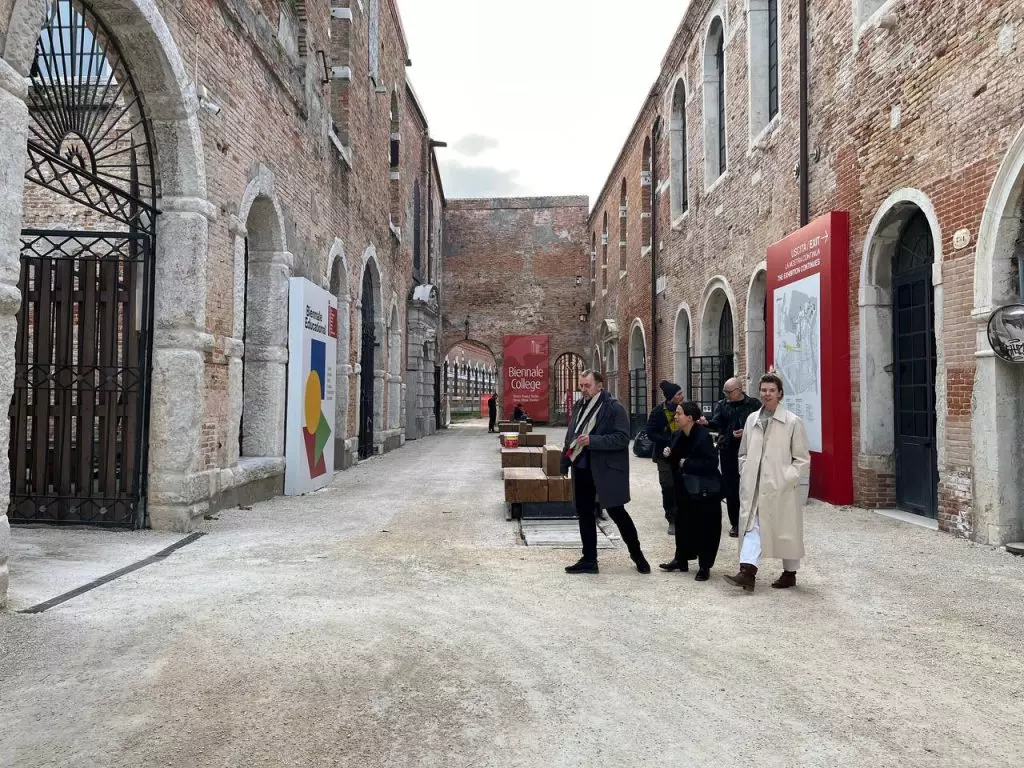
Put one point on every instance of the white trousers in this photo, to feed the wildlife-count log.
(750, 554)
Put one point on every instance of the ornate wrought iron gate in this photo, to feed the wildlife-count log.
(80, 412)
(707, 377)
(568, 369)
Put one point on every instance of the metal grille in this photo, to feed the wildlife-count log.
(80, 411)
(637, 401)
(914, 342)
(726, 343)
(568, 369)
(708, 374)
(366, 373)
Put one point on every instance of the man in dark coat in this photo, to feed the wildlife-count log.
(492, 411)
(597, 449)
(728, 419)
(660, 426)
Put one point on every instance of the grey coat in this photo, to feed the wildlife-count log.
(609, 451)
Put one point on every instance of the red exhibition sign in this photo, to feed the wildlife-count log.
(526, 374)
(809, 345)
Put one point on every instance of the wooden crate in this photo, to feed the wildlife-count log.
(533, 440)
(552, 460)
(507, 426)
(525, 484)
(522, 457)
(525, 427)
(559, 489)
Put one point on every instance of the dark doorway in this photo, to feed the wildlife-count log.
(637, 401)
(80, 411)
(914, 367)
(366, 372)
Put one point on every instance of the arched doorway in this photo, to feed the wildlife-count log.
(716, 361)
(914, 368)
(757, 323)
(568, 369)
(637, 379)
(899, 352)
(681, 349)
(80, 411)
(367, 360)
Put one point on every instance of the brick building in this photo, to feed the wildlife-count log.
(190, 158)
(517, 266)
(914, 128)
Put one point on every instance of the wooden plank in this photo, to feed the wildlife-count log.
(63, 383)
(552, 460)
(559, 489)
(19, 426)
(87, 366)
(522, 457)
(533, 440)
(39, 381)
(130, 405)
(108, 360)
(525, 484)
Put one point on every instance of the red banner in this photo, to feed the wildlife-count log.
(526, 374)
(809, 345)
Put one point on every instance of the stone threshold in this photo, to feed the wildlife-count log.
(909, 517)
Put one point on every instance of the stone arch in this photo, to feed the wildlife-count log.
(262, 269)
(717, 296)
(681, 346)
(610, 339)
(337, 281)
(638, 384)
(756, 330)
(677, 150)
(394, 368)
(877, 395)
(596, 361)
(997, 420)
(180, 341)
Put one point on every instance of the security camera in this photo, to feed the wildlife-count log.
(211, 106)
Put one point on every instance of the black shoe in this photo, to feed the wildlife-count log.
(675, 565)
(702, 575)
(733, 533)
(641, 564)
(583, 566)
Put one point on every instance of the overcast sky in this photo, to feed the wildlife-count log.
(534, 97)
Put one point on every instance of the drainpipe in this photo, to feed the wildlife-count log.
(654, 260)
(805, 187)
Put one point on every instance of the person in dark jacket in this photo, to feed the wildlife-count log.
(730, 415)
(492, 411)
(597, 450)
(698, 515)
(661, 425)
(519, 414)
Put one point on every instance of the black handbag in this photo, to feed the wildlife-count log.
(701, 487)
(642, 446)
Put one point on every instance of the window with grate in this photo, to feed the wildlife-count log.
(725, 333)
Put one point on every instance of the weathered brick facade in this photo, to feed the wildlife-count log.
(912, 107)
(510, 268)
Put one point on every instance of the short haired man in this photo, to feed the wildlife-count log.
(492, 411)
(597, 449)
(661, 423)
(774, 460)
(728, 420)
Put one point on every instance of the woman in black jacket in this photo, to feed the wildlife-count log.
(698, 485)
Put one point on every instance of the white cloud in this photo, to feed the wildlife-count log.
(474, 144)
(462, 180)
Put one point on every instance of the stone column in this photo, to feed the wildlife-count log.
(179, 485)
(13, 136)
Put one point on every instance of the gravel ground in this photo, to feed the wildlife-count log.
(395, 619)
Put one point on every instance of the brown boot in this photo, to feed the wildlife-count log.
(785, 581)
(745, 578)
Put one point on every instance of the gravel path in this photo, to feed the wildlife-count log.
(395, 619)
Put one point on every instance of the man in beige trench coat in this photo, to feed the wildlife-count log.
(774, 463)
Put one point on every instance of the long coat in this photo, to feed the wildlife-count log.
(609, 451)
(779, 503)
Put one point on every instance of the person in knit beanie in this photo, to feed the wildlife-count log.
(660, 425)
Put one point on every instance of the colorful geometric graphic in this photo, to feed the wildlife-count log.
(316, 431)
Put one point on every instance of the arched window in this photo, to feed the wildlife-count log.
(677, 149)
(623, 216)
(763, 28)
(373, 30)
(646, 196)
(714, 103)
(417, 232)
(604, 253)
(593, 266)
(726, 345)
(394, 154)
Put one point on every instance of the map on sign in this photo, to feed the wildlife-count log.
(797, 345)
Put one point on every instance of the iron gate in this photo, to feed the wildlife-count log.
(80, 411)
(708, 374)
(637, 401)
(366, 373)
(568, 369)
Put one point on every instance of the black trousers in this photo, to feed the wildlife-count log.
(491, 418)
(698, 529)
(584, 494)
(731, 483)
(668, 491)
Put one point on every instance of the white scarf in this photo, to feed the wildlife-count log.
(587, 418)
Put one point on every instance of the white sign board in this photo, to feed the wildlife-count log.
(798, 351)
(312, 356)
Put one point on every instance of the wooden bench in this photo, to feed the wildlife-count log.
(523, 457)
